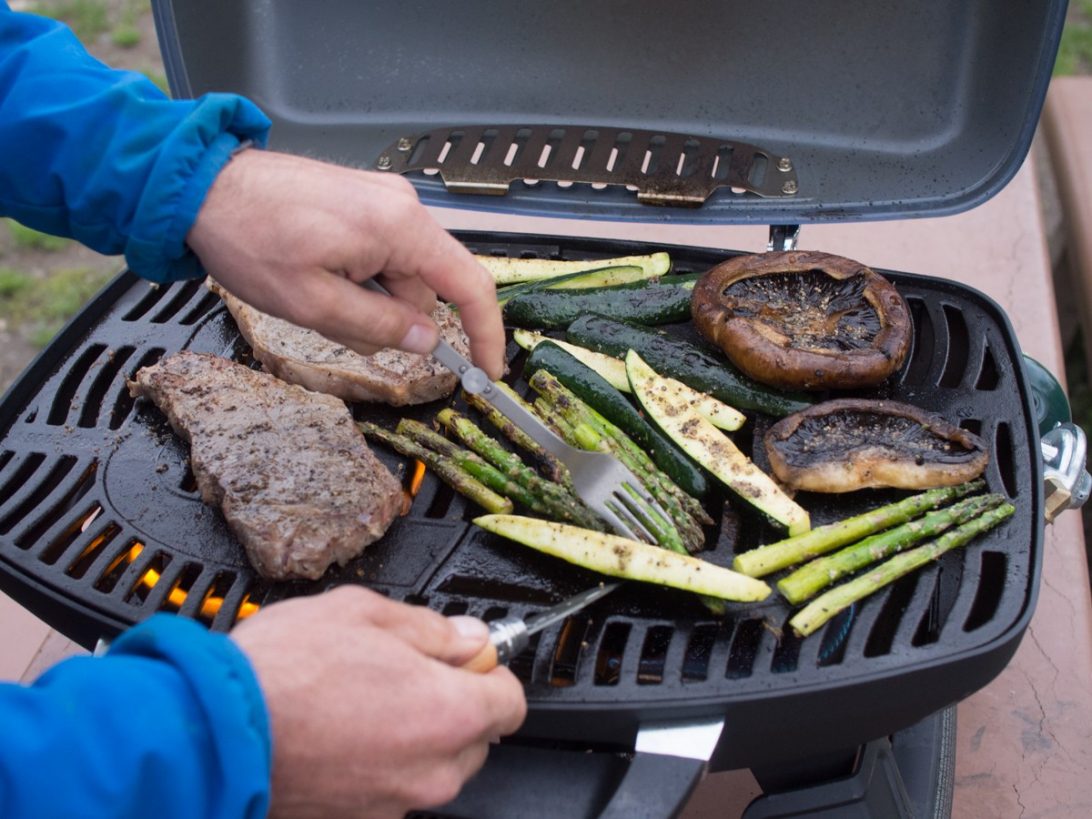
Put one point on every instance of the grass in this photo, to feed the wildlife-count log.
(24, 238)
(88, 18)
(125, 35)
(40, 307)
(1075, 50)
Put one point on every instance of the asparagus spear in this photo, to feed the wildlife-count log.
(551, 467)
(773, 556)
(562, 503)
(455, 477)
(811, 578)
(822, 608)
(470, 463)
(572, 411)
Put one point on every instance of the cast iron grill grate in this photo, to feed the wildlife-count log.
(101, 526)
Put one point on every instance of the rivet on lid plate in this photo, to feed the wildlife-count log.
(784, 164)
(789, 187)
(383, 163)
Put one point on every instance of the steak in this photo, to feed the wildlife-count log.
(304, 357)
(288, 468)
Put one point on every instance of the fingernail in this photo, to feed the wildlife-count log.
(470, 628)
(419, 339)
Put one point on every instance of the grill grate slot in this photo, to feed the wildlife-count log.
(881, 635)
(97, 541)
(153, 576)
(650, 669)
(102, 385)
(123, 405)
(208, 302)
(699, 652)
(570, 645)
(988, 374)
(923, 352)
(31, 496)
(1004, 459)
(121, 561)
(989, 591)
(147, 302)
(181, 295)
(744, 651)
(612, 650)
(65, 398)
(958, 355)
(59, 545)
(54, 514)
(23, 469)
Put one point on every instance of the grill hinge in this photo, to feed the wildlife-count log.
(662, 168)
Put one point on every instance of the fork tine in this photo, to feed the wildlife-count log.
(636, 529)
(641, 514)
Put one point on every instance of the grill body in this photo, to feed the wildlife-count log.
(101, 526)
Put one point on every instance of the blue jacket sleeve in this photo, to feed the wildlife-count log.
(171, 723)
(101, 155)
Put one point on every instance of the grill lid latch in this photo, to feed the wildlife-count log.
(1068, 483)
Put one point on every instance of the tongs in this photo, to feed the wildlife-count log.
(605, 484)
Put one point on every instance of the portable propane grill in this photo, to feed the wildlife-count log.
(773, 115)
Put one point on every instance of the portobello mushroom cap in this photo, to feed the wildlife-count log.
(804, 319)
(850, 444)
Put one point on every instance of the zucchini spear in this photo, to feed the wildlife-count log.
(620, 557)
(813, 577)
(510, 271)
(449, 472)
(707, 445)
(773, 556)
(825, 606)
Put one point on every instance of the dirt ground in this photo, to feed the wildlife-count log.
(18, 346)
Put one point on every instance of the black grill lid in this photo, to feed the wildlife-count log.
(886, 109)
(101, 526)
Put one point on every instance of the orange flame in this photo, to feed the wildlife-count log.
(414, 486)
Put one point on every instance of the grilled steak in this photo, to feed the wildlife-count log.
(304, 357)
(288, 468)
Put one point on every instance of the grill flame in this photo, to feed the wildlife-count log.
(414, 486)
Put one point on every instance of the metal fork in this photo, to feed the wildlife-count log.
(603, 482)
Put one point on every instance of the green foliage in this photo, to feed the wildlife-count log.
(125, 35)
(1075, 50)
(12, 282)
(26, 238)
(40, 307)
(88, 18)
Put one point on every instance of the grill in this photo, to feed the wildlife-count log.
(101, 526)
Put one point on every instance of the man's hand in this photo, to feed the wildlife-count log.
(371, 715)
(293, 237)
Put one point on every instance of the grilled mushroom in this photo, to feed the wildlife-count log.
(849, 444)
(804, 320)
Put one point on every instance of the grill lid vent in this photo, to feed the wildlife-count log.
(662, 168)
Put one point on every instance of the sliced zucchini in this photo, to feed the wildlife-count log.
(626, 275)
(620, 557)
(511, 271)
(682, 360)
(600, 396)
(703, 442)
(612, 370)
(557, 309)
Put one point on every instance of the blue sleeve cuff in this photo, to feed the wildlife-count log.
(180, 180)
